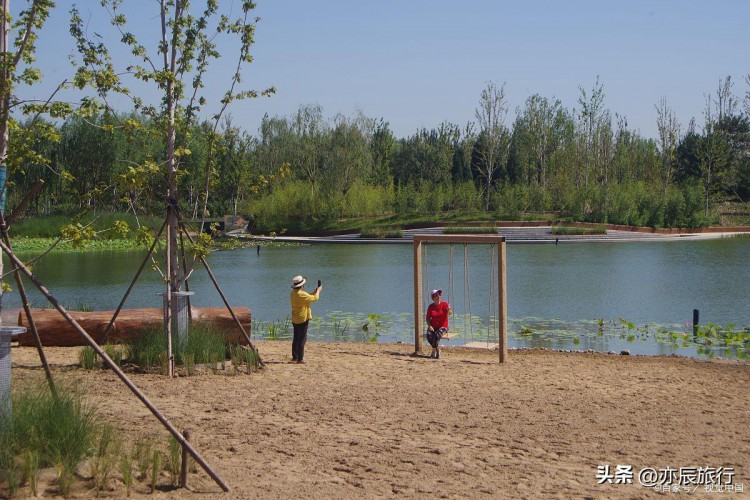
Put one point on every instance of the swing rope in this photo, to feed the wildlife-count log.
(467, 292)
(425, 281)
(491, 304)
(451, 281)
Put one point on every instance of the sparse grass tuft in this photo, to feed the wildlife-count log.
(87, 358)
(126, 471)
(174, 459)
(156, 460)
(142, 454)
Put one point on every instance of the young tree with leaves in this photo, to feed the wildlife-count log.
(18, 36)
(591, 119)
(177, 66)
(669, 134)
(490, 116)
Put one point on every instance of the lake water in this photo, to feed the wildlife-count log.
(604, 296)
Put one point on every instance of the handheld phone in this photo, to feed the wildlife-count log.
(318, 283)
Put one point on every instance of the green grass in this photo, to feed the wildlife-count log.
(87, 358)
(470, 230)
(48, 431)
(38, 245)
(577, 230)
(390, 221)
(381, 232)
(204, 344)
(48, 226)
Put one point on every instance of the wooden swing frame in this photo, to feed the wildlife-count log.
(502, 291)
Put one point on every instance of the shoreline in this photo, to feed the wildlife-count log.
(514, 234)
(9, 317)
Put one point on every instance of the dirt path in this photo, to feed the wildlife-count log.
(369, 420)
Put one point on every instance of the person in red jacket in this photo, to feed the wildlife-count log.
(437, 322)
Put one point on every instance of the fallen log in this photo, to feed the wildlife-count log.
(55, 331)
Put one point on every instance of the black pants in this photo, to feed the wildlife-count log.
(299, 340)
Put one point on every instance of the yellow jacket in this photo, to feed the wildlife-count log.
(301, 301)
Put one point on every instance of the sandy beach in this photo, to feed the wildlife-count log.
(370, 420)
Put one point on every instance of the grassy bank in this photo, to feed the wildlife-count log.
(106, 231)
(37, 234)
(24, 244)
(390, 222)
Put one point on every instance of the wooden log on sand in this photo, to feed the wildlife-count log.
(55, 331)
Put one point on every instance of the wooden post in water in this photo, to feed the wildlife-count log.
(696, 321)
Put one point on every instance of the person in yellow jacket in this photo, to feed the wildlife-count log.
(301, 316)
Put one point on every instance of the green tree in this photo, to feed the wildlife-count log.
(232, 167)
(349, 157)
(426, 156)
(735, 129)
(538, 134)
(592, 119)
(18, 37)
(177, 66)
(713, 155)
(463, 144)
(310, 131)
(382, 150)
(87, 153)
(669, 134)
(493, 152)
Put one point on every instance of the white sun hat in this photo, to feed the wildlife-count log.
(298, 281)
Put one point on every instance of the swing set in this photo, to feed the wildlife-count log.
(497, 244)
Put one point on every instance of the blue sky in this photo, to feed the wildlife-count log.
(417, 63)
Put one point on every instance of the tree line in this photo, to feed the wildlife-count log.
(305, 170)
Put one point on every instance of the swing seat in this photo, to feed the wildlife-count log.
(447, 336)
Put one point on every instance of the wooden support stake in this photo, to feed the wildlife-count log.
(168, 299)
(27, 310)
(132, 284)
(185, 461)
(223, 297)
(115, 369)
